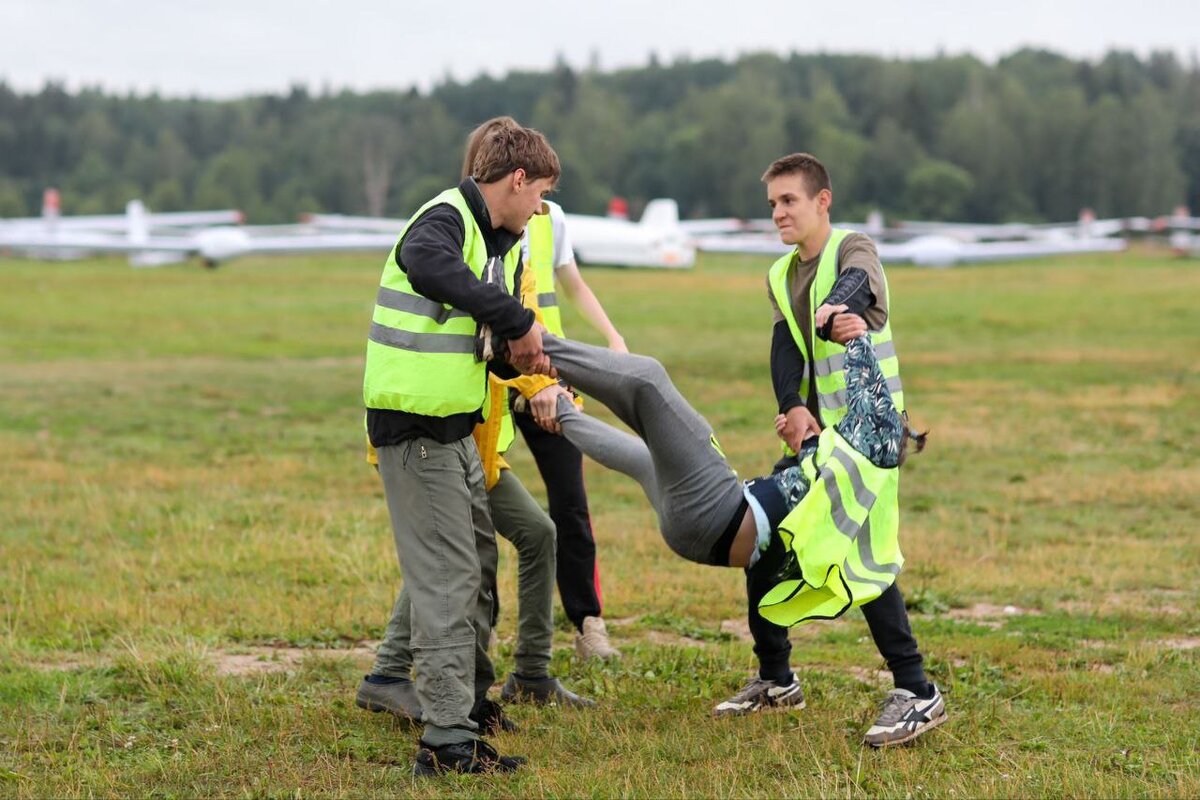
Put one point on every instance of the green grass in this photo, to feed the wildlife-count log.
(182, 483)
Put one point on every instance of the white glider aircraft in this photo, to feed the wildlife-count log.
(939, 244)
(658, 240)
(217, 236)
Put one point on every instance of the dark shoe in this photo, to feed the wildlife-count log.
(484, 349)
(542, 692)
(761, 695)
(398, 698)
(491, 719)
(492, 349)
(474, 757)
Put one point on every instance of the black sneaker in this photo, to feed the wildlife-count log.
(473, 757)
(542, 692)
(490, 717)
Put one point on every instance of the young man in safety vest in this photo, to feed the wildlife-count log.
(448, 286)
(519, 519)
(839, 268)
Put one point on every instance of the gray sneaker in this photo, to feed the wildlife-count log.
(904, 717)
(542, 692)
(761, 695)
(398, 698)
(593, 642)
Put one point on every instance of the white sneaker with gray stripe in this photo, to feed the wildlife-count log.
(762, 695)
(904, 717)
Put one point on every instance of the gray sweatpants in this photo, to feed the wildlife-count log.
(676, 460)
(447, 550)
(520, 520)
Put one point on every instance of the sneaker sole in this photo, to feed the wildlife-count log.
(928, 726)
(767, 709)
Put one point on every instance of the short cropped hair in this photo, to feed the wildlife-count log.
(816, 177)
(478, 135)
(509, 148)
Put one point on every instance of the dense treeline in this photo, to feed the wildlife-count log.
(1036, 136)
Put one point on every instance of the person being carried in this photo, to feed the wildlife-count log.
(816, 511)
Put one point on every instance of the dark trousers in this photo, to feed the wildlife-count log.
(561, 466)
(886, 617)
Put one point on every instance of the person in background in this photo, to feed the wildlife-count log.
(546, 251)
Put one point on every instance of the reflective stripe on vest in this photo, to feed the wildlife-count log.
(421, 353)
(540, 231)
(843, 535)
(824, 364)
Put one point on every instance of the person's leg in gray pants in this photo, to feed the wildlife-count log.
(687, 479)
(447, 550)
(520, 520)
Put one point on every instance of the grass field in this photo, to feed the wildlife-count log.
(196, 557)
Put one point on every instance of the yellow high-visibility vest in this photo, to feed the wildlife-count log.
(825, 362)
(843, 534)
(537, 293)
(420, 353)
(541, 259)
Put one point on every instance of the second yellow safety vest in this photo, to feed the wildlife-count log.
(825, 363)
(539, 270)
(843, 535)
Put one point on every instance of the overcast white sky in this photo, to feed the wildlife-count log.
(225, 48)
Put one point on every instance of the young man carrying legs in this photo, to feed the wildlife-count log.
(424, 392)
(518, 518)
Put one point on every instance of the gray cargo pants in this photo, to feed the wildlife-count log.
(439, 511)
(520, 520)
(682, 470)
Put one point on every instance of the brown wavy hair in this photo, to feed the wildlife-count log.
(502, 145)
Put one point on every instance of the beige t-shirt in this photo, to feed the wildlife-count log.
(856, 250)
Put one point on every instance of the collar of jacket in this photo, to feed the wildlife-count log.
(498, 240)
